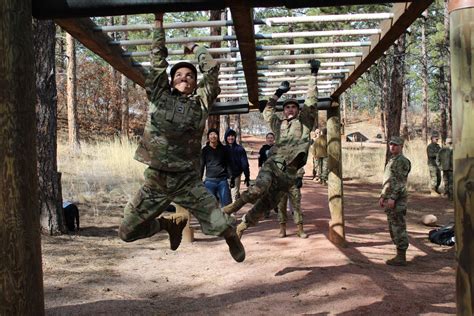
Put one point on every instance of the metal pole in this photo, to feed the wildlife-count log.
(359, 32)
(268, 21)
(461, 30)
(290, 47)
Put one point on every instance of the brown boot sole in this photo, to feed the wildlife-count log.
(176, 235)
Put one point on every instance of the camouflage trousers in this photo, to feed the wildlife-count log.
(435, 177)
(397, 224)
(320, 168)
(448, 183)
(159, 190)
(272, 182)
(294, 195)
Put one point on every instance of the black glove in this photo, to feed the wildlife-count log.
(315, 64)
(232, 182)
(283, 88)
(247, 182)
(299, 182)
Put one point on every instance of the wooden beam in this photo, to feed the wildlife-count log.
(242, 15)
(404, 15)
(98, 42)
(335, 184)
(54, 9)
(21, 274)
(461, 30)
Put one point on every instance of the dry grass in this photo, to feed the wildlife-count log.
(102, 170)
(367, 163)
(106, 171)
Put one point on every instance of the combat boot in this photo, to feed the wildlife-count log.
(243, 226)
(174, 226)
(234, 207)
(282, 233)
(399, 260)
(300, 233)
(236, 249)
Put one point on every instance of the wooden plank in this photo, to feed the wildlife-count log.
(404, 15)
(21, 277)
(242, 16)
(98, 42)
(461, 45)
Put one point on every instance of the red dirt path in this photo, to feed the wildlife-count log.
(95, 273)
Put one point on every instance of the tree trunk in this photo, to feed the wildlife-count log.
(442, 97)
(50, 197)
(124, 95)
(72, 121)
(238, 128)
(384, 96)
(424, 79)
(447, 57)
(213, 121)
(405, 106)
(20, 266)
(225, 124)
(394, 109)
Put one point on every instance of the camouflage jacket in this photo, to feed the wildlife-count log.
(444, 159)
(431, 152)
(320, 147)
(292, 137)
(395, 177)
(175, 124)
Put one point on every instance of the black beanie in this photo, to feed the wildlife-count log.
(213, 130)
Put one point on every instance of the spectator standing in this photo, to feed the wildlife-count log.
(215, 161)
(444, 160)
(435, 174)
(238, 163)
(264, 151)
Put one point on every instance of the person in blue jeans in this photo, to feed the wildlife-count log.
(215, 160)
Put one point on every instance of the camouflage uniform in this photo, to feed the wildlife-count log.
(294, 195)
(279, 172)
(394, 187)
(171, 147)
(320, 157)
(444, 160)
(435, 174)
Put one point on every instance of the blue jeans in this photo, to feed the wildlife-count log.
(220, 189)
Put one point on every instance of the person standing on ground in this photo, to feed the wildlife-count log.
(294, 197)
(435, 174)
(394, 199)
(289, 153)
(171, 146)
(215, 161)
(238, 163)
(320, 156)
(265, 149)
(444, 160)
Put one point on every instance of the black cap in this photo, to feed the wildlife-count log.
(183, 64)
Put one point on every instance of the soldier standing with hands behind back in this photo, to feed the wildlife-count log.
(435, 174)
(171, 147)
(394, 199)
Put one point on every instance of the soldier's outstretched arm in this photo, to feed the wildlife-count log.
(309, 111)
(208, 88)
(157, 80)
(269, 112)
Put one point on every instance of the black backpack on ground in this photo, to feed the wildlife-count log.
(443, 236)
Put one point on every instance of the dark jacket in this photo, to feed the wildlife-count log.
(215, 161)
(263, 154)
(238, 157)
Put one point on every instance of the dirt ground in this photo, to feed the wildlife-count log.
(94, 273)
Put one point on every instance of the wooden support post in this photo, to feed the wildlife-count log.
(461, 31)
(21, 277)
(335, 187)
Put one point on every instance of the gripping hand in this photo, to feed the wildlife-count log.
(232, 183)
(315, 64)
(247, 182)
(283, 88)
